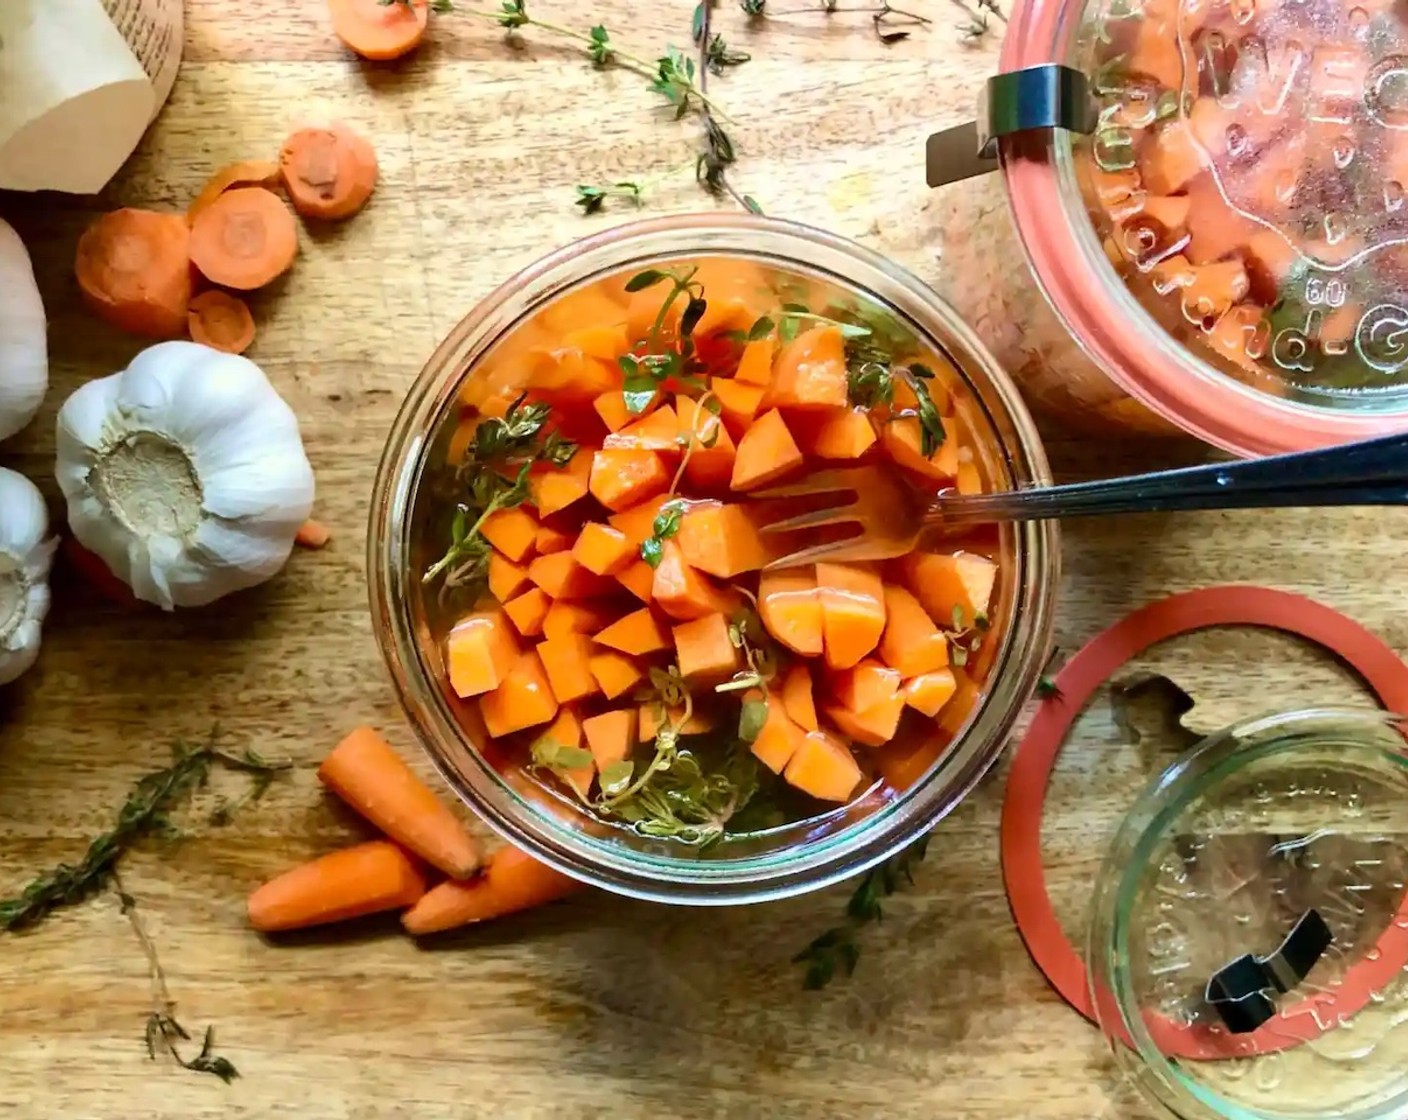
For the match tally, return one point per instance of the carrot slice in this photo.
(852, 611)
(780, 737)
(603, 550)
(479, 653)
(511, 531)
(328, 172)
(929, 692)
(611, 736)
(911, 644)
(790, 608)
(350, 883)
(553, 488)
(568, 617)
(846, 434)
(512, 881)
(246, 173)
(722, 540)
(133, 268)
(683, 592)
(704, 651)
(961, 583)
(766, 452)
(639, 580)
(875, 726)
(755, 365)
(823, 767)
(549, 538)
(312, 534)
(739, 401)
(798, 699)
(810, 371)
(866, 684)
(221, 321)
(615, 673)
(567, 662)
(559, 574)
(525, 699)
(245, 239)
(528, 611)
(372, 778)
(638, 633)
(378, 31)
(506, 579)
(622, 478)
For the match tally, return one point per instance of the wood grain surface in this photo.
(596, 1007)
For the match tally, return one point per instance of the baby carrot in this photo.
(328, 172)
(512, 881)
(244, 239)
(134, 271)
(221, 320)
(345, 884)
(371, 777)
(379, 31)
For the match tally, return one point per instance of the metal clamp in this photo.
(1039, 97)
(1240, 991)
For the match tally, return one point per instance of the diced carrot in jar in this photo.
(704, 651)
(511, 531)
(611, 408)
(528, 610)
(566, 731)
(525, 699)
(912, 643)
(766, 453)
(623, 478)
(639, 633)
(657, 432)
(603, 550)
(480, 652)
(683, 592)
(954, 588)
(615, 673)
(798, 698)
(506, 579)
(567, 663)
(722, 540)
(739, 401)
(551, 539)
(559, 574)
(553, 488)
(873, 727)
(929, 692)
(810, 371)
(780, 737)
(639, 580)
(845, 434)
(852, 611)
(790, 608)
(823, 767)
(755, 366)
(581, 617)
(865, 684)
(611, 736)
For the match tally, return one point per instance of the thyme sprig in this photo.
(146, 812)
(515, 442)
(164, 1031)
(891, 24)
(838, 949)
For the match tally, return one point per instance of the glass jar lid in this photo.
(1248, 953)
(1247, 181)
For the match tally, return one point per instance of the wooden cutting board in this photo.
(596, 1007)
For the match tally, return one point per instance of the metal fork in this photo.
(895, 517)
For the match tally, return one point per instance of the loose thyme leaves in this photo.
(592, 198)
(838, 949)
(666, 525)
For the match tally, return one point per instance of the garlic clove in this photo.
(26, 555)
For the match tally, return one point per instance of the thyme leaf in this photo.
(838, 949)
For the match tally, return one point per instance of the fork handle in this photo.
(1370, 473)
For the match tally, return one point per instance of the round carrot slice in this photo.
(221, 320)
(379, 31)
(328, 172)
(133, 267)
(244, 239)
(246, 173)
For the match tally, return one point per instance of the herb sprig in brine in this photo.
(516, 442)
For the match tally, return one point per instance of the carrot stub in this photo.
(615, 673)
(810, 371)
(962, 583)
(328, 172)
(622, 478)
(312, 534)
(378, 31)
(372, 778)
(221, 321)
(133, 267)
(512, 881)
(683, 592)
(351, 883)
(528, 611)
(245, 239)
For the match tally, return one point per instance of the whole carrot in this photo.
(366, 773)
(512, 881)
(350, 883)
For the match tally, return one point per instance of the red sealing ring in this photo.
(1035, 758)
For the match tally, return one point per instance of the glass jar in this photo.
(1226, 249)
(1248, 950)
(768, 864)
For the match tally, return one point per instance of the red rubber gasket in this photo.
(1035, 758)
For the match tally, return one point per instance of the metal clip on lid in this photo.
(1048, 96)
(1239, 992)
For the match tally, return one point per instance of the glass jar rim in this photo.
(1157, 1043)
(612, 865)
(1103, 316)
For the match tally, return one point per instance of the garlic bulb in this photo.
(184, 473)
(24, 343)
(25, 556)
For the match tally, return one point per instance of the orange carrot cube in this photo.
(525, 699)
(683, 592)
(810, 371)
(567, 662)
(780, 737)
(961, 583)
(852, 611)
(798, 699)
(929, 692)
(790, 609)
(553, 488)
(703, 649)
(506, 579)
(479, 653)
(766, 452)
(755, 364)
(567, 616)
(528, 610)
(511, 531)
(722, 540)
(603, 550)
(638, 634)
(823, 767)
(623, 478)
(615, 673)
(911, 644)
(611, 736)
(559, 574)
